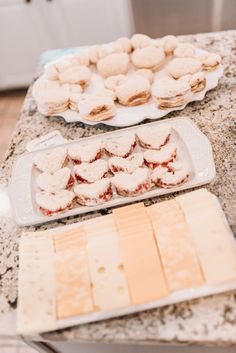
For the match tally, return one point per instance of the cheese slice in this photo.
(36, 288)
(140, 254)
(215, 249)
(65, 241)
(73, 285)
(109, 283)
(176, 247)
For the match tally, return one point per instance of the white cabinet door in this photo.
(24, 35)
(29, 28)
(82, 22)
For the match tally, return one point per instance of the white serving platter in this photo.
(194, 149)
(128, 116)
(173, 298)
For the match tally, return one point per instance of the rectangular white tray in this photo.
(194, 146)
(173, 298)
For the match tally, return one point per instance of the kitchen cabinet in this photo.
(23, 36)
(29, 27)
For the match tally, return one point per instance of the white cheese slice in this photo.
(109, 283)
(178, 255)
(215, 249)
(73, 286)
(36, 289)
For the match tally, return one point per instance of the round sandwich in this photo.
(148, 58)
(127, 165)
(60, 180)
(133, 184)
(112, 82)
(197, 81)
(134, 91)
(211, 62)
(139, 40)
(91, 172)
(96, 53)
(121, 146)
(153, 137)
(97, 108)
(146, 73)
(113, 64)
(122, 45)
(185, 50)
(59, 201)
(183, 66)
(169, 44)
(89, 152)
(154, 158)
(51, 97)
(76, 74)
(95, 193)
(52, 160)
(81, 58)
(169, 93)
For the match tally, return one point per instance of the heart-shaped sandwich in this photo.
(51, 161)
(127, 165)
(88, 153)
(154, 158)
(95, 193)
(133, 184)
(121, 146)
(154, 137)
(60, 180)
(167, 177)
(91, 172)
(50, 204)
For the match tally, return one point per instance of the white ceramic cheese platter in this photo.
(173, 298)
(128, 116)
(194, 150)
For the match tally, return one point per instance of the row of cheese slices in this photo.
(133, 256)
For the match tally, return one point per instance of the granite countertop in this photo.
(210, 320)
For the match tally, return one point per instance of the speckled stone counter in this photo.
(210, 320)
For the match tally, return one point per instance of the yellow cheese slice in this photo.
(176, 247)
(140, 254)
(215, 249)
(36, 287)
(109, 284)
(73, 285)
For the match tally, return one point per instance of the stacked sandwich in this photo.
(127, 68)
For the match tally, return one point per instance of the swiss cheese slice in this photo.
(73, 285)
(140, 254)
(36, 286)
(109, 284)
(180, 262)
(215, 249)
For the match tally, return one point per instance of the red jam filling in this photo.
(82, 180)
(98, 156)
(153, 165)
(131, 150)
(70, 182)
(104, 197)
(46, 212)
